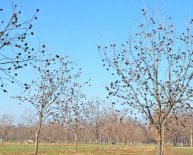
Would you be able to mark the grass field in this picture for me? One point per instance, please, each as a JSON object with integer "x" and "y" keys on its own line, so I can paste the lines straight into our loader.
{"x": 89, "y": 149}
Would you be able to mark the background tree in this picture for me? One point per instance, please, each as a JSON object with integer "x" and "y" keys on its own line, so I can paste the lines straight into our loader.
{"x": 179, "y": 129}
{"x": 94, "y": 113}
{"x": 27, "y": 126}
{"x": 53, "y": 132}
{"x": 72, "y": 108}
{"x": 109, "y": 125}
{"x": 154, "y": 71}
{"x": 6, "y": 122}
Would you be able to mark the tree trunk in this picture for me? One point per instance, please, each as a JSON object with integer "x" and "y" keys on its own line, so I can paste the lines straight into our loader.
{"x": 160, "y": 141}
{"x": 117, "y": 141}
{"x": 191, "y": 132}
{"x": 37, "y": 134}
{"x": 160, "y": 146}
{"x": 109, "y": 142}
{"x": 76, "y": 142}
{"x": 97, "y": 139}
{"x": 132, "y": 141}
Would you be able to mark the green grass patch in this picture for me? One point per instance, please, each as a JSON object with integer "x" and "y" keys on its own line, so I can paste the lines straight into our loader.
{"x": 181, "y": 150}
{"x": 89, "y": 149}
{"x": 83, "y": 149}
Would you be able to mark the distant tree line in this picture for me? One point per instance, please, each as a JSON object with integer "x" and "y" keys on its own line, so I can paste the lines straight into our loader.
{"x": 113, "y": 128}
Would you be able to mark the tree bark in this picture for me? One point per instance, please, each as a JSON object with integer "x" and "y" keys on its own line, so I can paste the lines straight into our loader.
{"x": 37, "y": 133}
{"x": 160, "y": 141}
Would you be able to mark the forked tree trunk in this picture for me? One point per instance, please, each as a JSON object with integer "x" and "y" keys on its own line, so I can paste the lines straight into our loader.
{"x": 38, "y": 133}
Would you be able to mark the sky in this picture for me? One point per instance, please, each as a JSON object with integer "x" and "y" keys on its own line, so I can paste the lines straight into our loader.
{"x": 76, "y": 27}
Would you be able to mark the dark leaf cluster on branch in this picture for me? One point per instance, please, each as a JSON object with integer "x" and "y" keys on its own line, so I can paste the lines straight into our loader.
{"x": 15, "y": 46}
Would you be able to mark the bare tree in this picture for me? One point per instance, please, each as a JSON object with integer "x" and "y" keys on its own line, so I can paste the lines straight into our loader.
{"x": 179, "y": 129}
{"x": 154, "y": 71}
{"x": 71, "y": 107}
{"x": 27, "y": 123}
{"x": 75, "y": 107}
{"x": 28, "y": 118}
{"x": 94, "y": 112}
{"x": 53, "y": 132}
{"x": 47, "y": 91}
{"x": 6, "y": 121}
{"x": 109, "y": 124}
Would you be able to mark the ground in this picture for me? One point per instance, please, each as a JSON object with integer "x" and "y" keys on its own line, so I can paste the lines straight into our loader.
{"x": 89, "y": 149}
